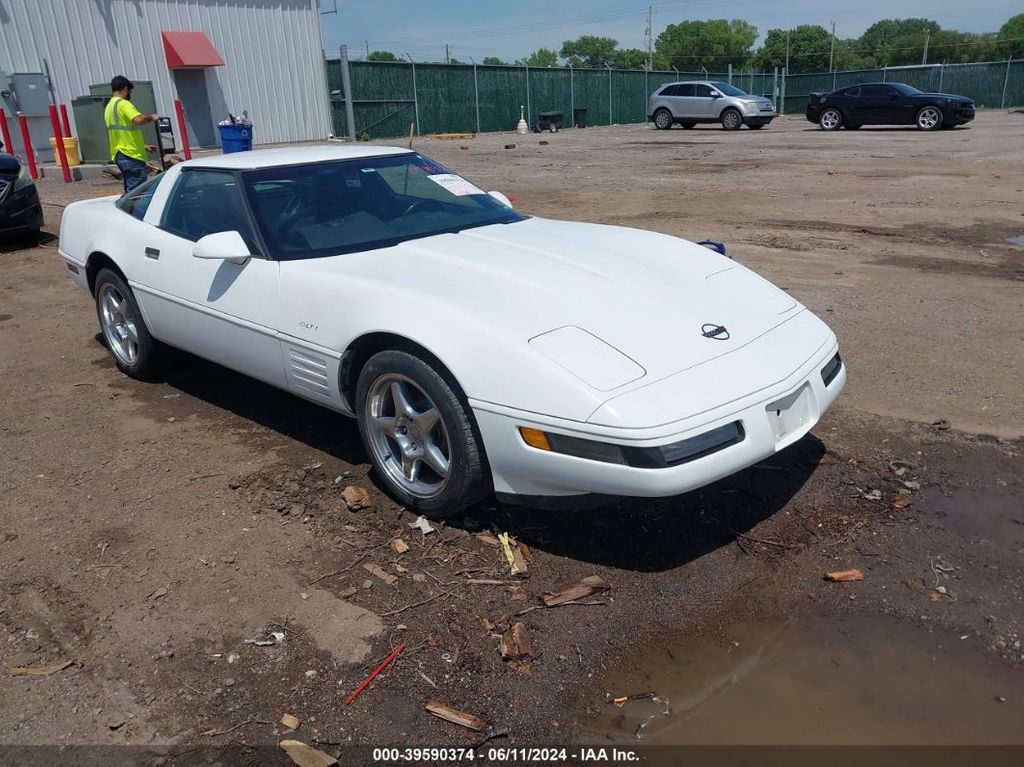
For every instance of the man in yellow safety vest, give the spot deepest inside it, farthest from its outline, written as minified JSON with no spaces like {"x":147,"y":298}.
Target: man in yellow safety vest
{"x":127,"y":145}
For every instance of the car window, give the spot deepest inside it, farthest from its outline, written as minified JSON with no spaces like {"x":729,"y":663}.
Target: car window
{"x":702,"y":91}
{"x":875,"y":91}
{"x":136,"y":202}
{"x":330,"y":208}
{"x":670,"y":90}
{"x":206,"y":202}
{"x":854,"y":91}
{"x":686,"y":89}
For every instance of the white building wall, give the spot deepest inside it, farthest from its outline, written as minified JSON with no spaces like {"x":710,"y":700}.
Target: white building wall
{"x":272,"y":50}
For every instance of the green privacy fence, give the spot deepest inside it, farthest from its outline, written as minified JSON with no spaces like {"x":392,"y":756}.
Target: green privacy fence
{"x":441,"y":98}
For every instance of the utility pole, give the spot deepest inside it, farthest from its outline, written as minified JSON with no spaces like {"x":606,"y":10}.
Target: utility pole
{"x":832,"y":49}
{"x":927,"y":39}
{"x":649,"y":34}
{"x":447,"y":54}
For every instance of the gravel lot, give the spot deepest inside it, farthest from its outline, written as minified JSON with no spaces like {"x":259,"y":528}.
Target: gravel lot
{"x":148,"y":530}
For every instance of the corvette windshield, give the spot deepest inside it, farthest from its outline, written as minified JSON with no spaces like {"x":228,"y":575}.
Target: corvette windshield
{"x":329,"y":208}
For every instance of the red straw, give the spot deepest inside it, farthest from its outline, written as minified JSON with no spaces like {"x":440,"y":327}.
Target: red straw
{"x":373,"y":674}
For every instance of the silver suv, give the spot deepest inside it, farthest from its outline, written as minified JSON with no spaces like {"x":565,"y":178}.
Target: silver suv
{"x":703,"y":101}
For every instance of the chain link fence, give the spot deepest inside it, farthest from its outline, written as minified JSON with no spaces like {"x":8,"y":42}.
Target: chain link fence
{"x":388,"y":97}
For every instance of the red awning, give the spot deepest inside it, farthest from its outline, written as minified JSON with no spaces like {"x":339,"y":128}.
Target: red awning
{"x":190,"y":49}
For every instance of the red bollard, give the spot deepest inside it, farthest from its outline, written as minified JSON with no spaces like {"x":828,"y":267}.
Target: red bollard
{"x":181,"y":127}
{"x":30,"y":156}
{"x":64,"y":119}
{"x":5,"y":134}
{"x":58,"y":139}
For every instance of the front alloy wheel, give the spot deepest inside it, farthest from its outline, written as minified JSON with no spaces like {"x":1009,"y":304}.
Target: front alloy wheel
{"x":830,"y":119}
{"x":136,"y":353}
{"x":421,"y":440}
{"x":929,"y":118}
{"x":662,"y":119}
{"x":732,"y":120}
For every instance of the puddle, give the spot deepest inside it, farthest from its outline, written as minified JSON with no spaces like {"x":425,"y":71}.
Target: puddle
{"x":860,"y":680}
{"x":996,"y":514}
{"x":1018,"y":240}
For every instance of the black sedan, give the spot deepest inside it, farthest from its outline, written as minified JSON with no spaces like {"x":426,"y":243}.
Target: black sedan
{"x":20,"y":210}
{"x":887,"y":104}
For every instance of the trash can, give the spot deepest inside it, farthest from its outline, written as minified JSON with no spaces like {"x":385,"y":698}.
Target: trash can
{"x":549,"y":121}
{"x":579,"y":117}
{"x":235,"y":138}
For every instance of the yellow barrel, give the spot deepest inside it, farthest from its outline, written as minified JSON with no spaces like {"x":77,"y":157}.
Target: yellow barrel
{"x":70,"y":149}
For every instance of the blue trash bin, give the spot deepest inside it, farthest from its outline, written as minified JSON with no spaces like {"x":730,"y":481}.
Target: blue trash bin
{"x":235,"y":138}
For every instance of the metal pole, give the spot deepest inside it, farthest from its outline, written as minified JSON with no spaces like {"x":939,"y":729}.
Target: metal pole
{"x":5,"y":134}
{"x":609,"y":94}
{"x":782,"y":99}
{"x":415,"y":98}
{"x":476,"y":98}
{"x":885,"y":71}
{"x":58,"y":140}
{"x":775,"y":85}
{"x":529,"y":119}
{"x":730,"y":73}
{"x":833,"y":80}
{"x":64,"y":120}
{"x":572,"y":100}
{"x":183,"y":129}
{"x":1006,"y":81}
{"x":26,"y":139}
{"x":942,"y":75}
{"x":346,"y":85}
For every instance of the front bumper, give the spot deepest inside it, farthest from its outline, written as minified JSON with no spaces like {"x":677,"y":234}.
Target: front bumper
{"x":781,"y":416}
{"x":21,"y":210}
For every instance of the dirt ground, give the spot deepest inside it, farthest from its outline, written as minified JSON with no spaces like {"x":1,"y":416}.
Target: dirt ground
{"x":147,"y":531}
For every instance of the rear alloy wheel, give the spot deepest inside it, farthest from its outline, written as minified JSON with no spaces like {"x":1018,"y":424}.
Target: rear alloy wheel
{"x":830,"y":119}
{"x":929,"y":118}
{"x":663,"y":119}
{"x":419,"y":435}
{"x":125,"y":333}
{"x":732,"y":119}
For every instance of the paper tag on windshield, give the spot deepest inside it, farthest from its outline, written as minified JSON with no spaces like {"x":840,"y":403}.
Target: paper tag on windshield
{"x":455,"y":184}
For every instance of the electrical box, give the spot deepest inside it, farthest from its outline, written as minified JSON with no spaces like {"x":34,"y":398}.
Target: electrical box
{"x":93,"y":143}
{"x":31,"y":93}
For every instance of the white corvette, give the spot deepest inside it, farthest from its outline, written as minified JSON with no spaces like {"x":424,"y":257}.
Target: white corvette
{"x":480,"y":350}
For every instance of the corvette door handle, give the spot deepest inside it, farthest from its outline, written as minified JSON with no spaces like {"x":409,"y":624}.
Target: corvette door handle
{"x":153,"y":253}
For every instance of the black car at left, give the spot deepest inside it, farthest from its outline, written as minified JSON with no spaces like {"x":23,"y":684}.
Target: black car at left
{"x":20,"y":210}
{"x":888,"y":104}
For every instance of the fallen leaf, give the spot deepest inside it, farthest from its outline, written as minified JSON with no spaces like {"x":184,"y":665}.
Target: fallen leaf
{"x":450,"y":714}
{"x":289,"y":721}
{"x":902,"y":503}
{"x":307,"y":756}
{"x":584,"y":587}
{"x":872,"y":495}
{"x":356,"y":498}
{"x":384,"y":575}
{"x":399,"y":545}
{"x":350,"y":592}
{"x":38,"y":670}
{"x":488,"y":539}
{"x":844,"y":576}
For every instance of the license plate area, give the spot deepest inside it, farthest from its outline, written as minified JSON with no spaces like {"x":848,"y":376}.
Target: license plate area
{"x":791,"y":414}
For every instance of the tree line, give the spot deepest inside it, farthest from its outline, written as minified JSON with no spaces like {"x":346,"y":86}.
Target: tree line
{"x":714,"y":45}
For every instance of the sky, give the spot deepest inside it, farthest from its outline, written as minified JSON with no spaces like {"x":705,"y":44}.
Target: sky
{"x":512,"y":29}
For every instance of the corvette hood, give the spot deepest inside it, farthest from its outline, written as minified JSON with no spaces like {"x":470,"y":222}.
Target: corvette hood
{"x":640,"y":299}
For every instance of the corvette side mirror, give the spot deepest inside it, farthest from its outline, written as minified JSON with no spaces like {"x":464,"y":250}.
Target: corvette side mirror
{"x":225,"y":246}
{"x":501,"y":198}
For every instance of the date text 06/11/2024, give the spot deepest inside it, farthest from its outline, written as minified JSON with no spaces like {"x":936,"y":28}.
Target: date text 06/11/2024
{"x":507,"y":755}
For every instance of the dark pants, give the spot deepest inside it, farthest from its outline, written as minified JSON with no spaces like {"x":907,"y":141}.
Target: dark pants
{"x":133,"y":172}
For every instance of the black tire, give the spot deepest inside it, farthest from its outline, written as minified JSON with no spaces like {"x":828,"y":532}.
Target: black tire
{"x":852,"y":126}
{"x":731,"y":119}
{"x":663,"y":119}
{"x":145,"y":361}
{"x":928,"y":118}
{"x":830,"y":119}
{"x":688,"y":126}
{"x":468,"y":479}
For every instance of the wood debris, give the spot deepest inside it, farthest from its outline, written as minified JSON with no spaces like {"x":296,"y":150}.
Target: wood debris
{"x":450,"y":714}
{"x":516,"y":643}
{"x":38,"y":670}
{"x":307,"y":756}
{"x":289,"y":721}
{"x":381,"y":573}
{"x":584,"y":587}
{"x":356,"y":498}
{"x":399,"y":546}
{"x":844,"y":576}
